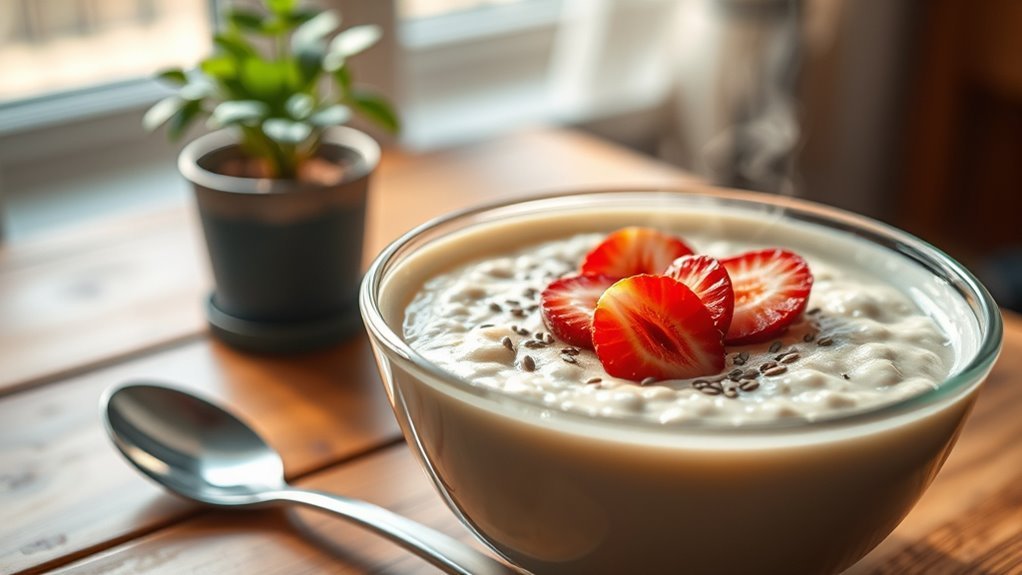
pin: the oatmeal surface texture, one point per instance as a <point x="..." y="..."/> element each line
<point x="861" y="344"/>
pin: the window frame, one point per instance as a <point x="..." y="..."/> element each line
<point x="411" y="64"/>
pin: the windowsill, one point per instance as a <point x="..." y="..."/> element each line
<point x="473" y="74"/>
<point x="464" y="77"/>
<point x="98" y="187"/>
<point x="65" y="107"/>
<point x="486" y="22"/>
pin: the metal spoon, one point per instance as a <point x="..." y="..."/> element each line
<point x="199" y="451"/>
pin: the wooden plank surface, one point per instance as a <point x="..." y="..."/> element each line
<point x="72" y="302"/>
<point x="949" y="531"/>
<point x="969" y="521"/>
<point x="93" y="295"/>
<point x="93" y="307"/>
<point x="294" y="541"/>
<point x="122" y="300"/>
<point x="65" y="491"/>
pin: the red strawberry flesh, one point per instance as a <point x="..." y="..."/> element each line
<point x="771" y="290"/>
<point x="567" y="306"/>
<point x="655" y="326"/>
<point x="710" y="281"/>
<point x="634" y="250"/>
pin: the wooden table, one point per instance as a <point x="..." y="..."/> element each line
<point x="121" y="300"/>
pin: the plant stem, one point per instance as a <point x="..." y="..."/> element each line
<point x="281" y="165"/>
<point x="281" y="46"/>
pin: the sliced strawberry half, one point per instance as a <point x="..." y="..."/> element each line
<point x="634" y="250"/>
<point x="655" y="326"/>
<point x="567" y="306"/>
<point x="771" y="289"/>
<point x="709" y="280"/>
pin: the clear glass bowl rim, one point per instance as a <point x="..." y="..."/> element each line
<point x="919" y="251"/>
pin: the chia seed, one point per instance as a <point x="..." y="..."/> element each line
<point x="528" y="364"/>
<point x="790" y="357"/>
<point x="748" y="385"/>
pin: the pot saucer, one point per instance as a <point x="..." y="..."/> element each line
<point x="281" y="336"/>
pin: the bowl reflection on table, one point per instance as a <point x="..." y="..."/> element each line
<point x="559" y="492"/>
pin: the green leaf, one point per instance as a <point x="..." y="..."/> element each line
<point x="266" y="81"/>
<point x="303" y="15"/>
<point x="220" y="67"/>
<point x="374" y="108"/>
<point x="173" y="76"/>
<point x="333" y="61"/>
<point x="307" y="66"/>
<point x="354" y="40"/>
<point x="308" y="44"/>
<point x="245" y="19"/>
<point x="161" y="111"/>
<point x="299" y="106"/>
<point x="342" y="76"/>
<point x="234" y="45"/>
<point x="296" y="79"/>
<point x="248" y="112"/>
<point x="276" y="26"/>
<point x="196" y="90"/>
<point x="183" y="118"/>
<point x="310" y="38"/>
<point x="286" y="131"/>
<point x="334" y="115"/>
<point x="281" y="7"/>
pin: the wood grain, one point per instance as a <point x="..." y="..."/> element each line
<point x="295" y="541"/>
<point x="65" y="491"/>
<point x="94" y="295"/>
<point x="76" y="308"/>
<point x="985" y="540"/>
<point x="95" y="307"/>
<point x="968" y="522"/>
<point x="71" y="302"/>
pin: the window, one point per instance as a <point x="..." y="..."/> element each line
<point x="76" y="84"/>
<point x="471" y="68"/>
<point x="58" y="45"/>
<point x="417" y="9"/>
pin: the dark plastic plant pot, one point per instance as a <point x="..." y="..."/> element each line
<point x="286" y="255"/>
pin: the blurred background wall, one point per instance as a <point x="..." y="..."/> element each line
<point x="908" y="111"/>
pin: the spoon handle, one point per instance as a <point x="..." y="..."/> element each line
<point x="448" y="554"/>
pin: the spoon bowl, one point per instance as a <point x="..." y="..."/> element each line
<point x="191" y="446"/>
<point x="200" y="451"/>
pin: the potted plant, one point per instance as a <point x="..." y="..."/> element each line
<point x="280" y="185"/>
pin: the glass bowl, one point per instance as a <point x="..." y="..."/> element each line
<point x="559" y="492"/>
